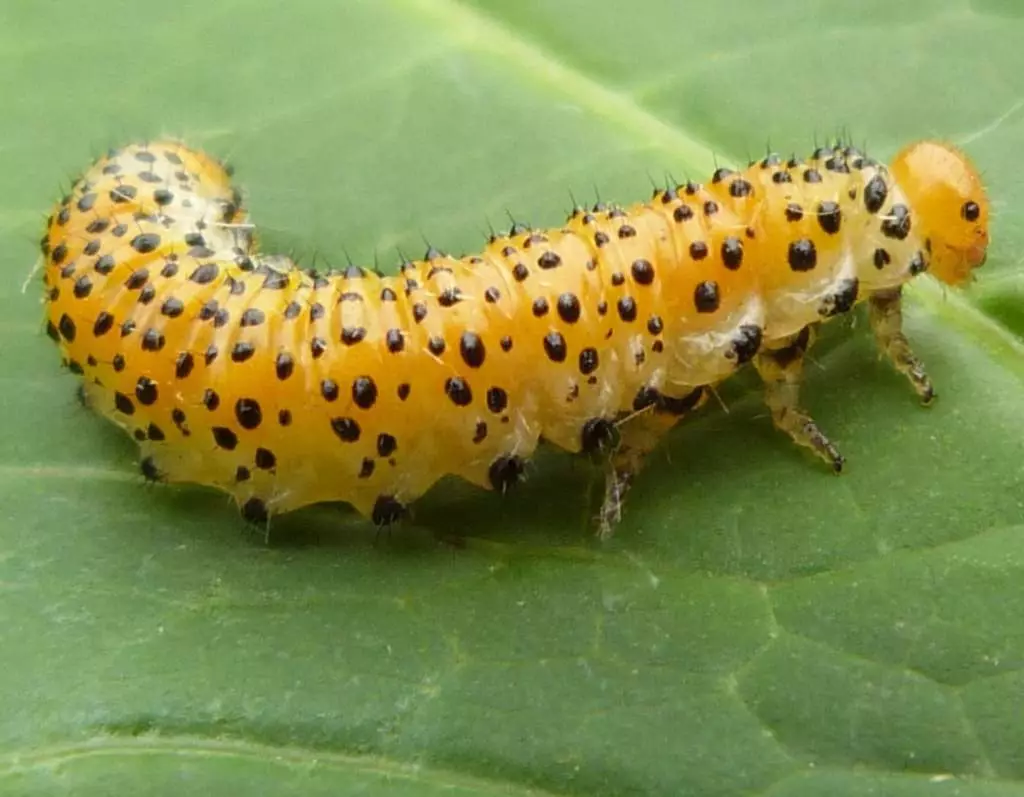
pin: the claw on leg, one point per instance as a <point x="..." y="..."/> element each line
<point x="885" y="311"/>
<point x="781" y="369"/>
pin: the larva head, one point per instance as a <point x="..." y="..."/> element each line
<point x="950" y="206"/>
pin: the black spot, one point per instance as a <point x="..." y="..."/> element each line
<point x="540" y="307"/>
<point x="505" y="343"/>
<point x="627" y="308"/>
<point x="471" y="346"/>
<point x="403" y="391"/>
<point x="787" y="355"/>
<point x="457" y="389"/>
<point x="597" y="435"/>
<point x="554" y="347"/>
<point x="205" y="274"/>
<point x="242" y="474"/>
<point x="875" y="194"/>
<point x="844" y="298"/>
<point x="386" y="445"/>
<point x="183" y="365"/>
<point x="812" y="176"/>
<point x="794" y="212"/>
<point x="830" y="217"/>
<point x="721" y="173"/>
<point x="710" y="208"/>
<point x="123" y="404"/>
<point x="248" y="413"/>
<point x="497" y="400"/>
<point x="682" y="213"/>
<point x="588" y="361"/>
<point x="655" y="325"/>
<point x="387" y="510"/>
<point x="618" y="279"/>
<point x="746" y="343"/>
<point x="284" y="366"/>
<point x="137" y="279"/>
<point x="275" y="281"/>
<point x="92" y="247"/>
<point x="643" y="272"/>
<point x="782" y="177"/>
<point x="970" y="211"/>
<point x="172" y="307"/>
<point x="86" y="202"/>
<point x="698" y="250"/>
<point x="104" y="322"/>
<point x="104" y="264"/>
<point x="549" y="260"/>
<point x="387" y="295"/>
<point x="881" y="258"/>
<point x="740" y="188"/>
<point x="395" y="340"/>
<point x="449" y="297"/>
<point x="210" y="399"/>
<point x="162" y="196"/>
<point x="265" y="459"/>
<point x="150" y="472"/>
<point x="569" y="308"/>
<point x="254" y="511"/>
<point x="329" y="389"/>
<point x="732" y="252"/>
<point x="352" y="335"/>
<point x="292" y="311"/>
<point x="491" y="295"/>
<point x="252" y="317"/>
<point x="118" y="362"/>
<point x="803" y="256"/>
<point x="284" y="417"/>
<point x="364" y="392"/>
<point x="123" y="193"/>
<point x="155" y="433"/>
<point x="83" y="287"/>
<point x="897" y="223"/>
<point x="146" y="242"/>
<point x="506" y="472"/>
<point x="918" y="263"/>
<point x="146" y="390"/>
<point x="480" y="433"/>
<point x="147" y="294"/>
<point x="152" y="340"/>
<point x="627" y="231"/>
<point x="600" y="239"/>
<point x="225" y="438"/>
<point x="242" y="351"/>
<point x="221" y="318"/>
<point x="127" y="328"/>
<point x="520" y="272"/>
<point x="346" y="428"/>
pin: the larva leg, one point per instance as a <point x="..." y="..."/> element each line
<point x="886" y="314"/>
<point x="781" y="368"/>
<point x="639" y="435"/>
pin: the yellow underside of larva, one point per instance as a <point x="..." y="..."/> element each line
<point x="285" y="388"/>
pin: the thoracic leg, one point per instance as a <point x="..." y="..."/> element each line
<point x="885" y="310"/>
<point x="781" y="368"/>
<point x="638" y="436"/>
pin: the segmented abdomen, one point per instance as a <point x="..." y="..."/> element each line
<point x="285" y="387"/>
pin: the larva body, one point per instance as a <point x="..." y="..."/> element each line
<point x="285" y="387"/>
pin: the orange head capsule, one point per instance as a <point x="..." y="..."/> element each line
<point x="951" y="208"/>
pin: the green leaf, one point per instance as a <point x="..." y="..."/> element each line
<point x="756" y="626"/>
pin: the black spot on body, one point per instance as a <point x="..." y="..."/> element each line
<point x="471" y="346"/>
<point x="569" y="308"/>
<point x="458" y="390"/>
<point x="597" y="434"/>
<point x="505" y="472"/>
<point x="225" y="438"/>
<point x="554" y="347"/>
<point x="364" y="392"/>
<point x="830" y="217"/>
<point x="875" y="194"/>
<point x="803" y="256"/>
<point x="746" y="343"/>
<point x="347" y="429"/>
<point x="732" y="252"/>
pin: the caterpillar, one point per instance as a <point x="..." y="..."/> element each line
<point x="285" y="387"/>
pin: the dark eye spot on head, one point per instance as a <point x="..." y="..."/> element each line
<point x="970" y="211"/>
